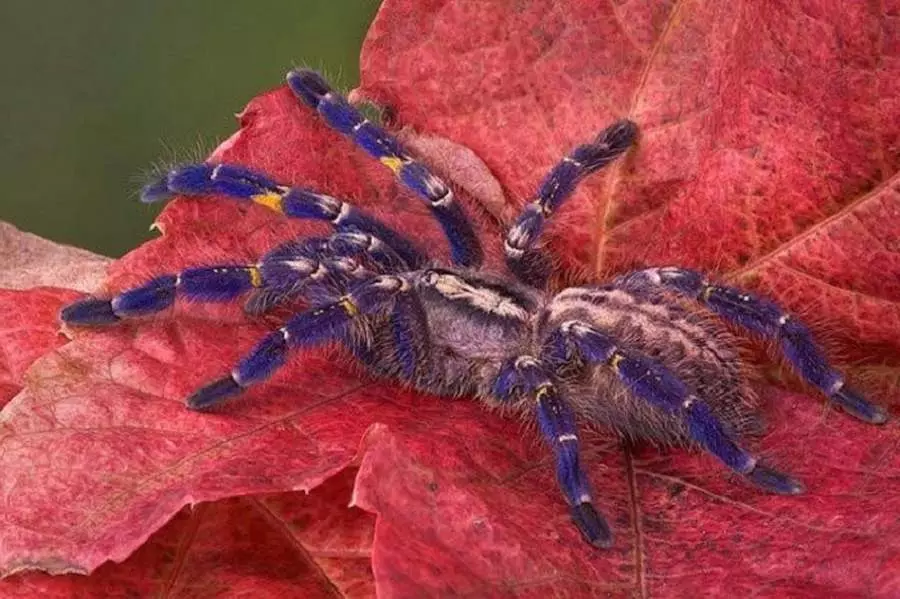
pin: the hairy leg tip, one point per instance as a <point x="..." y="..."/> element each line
<point x="213" y="394"/>
<point x="157" y="191"/>
<point x="774" y="481"/>
<point x="592" y="526"/>
<point x="307" y="85"/>
<point x="89" y="312"/>
<point x="854" y="404"/>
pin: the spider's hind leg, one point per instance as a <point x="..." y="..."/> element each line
<point x="765" y="318"/>
<point x="652" y="382"/>
<point x="557" y="423"/>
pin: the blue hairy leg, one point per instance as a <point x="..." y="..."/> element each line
<point x="309" y="328"/>
<point x="528" y="264"/>
<point x="241" y="183"/>
<point x="406" y="345"/>
<point x="287" y="271"/>
<point x="335" y="264"/>
<point x="215" y="283"/>
<point x="652" y="382"/>
<point x="526" y="376"/>
<point x="332" y="263"/>
<point x="368" y="246"/>
<point x="764" y="318"/>
<point x="409" y="334"/>
<point x="313" y="90"/>
<point x="320" y="268"/>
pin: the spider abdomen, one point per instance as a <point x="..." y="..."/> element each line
<point x="685" y="340"/>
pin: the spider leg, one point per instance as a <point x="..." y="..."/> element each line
<point x="405" y="348"/>
<point x="649" y="380"/>
<point x="314" y="91"/>
<point x="286" y="271"/>
<point x="763" y="317"/>
<point x="557" y="423"/>
<point x="345" y="256"/>
<point x="527" y="263"/>
<point x="408" y="328"/>
<point x="214" y="283"/>
<point x="409" y="331"/>
<point x="355" y="244"/>
<point x="298" y="202"/>
<point x="309" y="328"/>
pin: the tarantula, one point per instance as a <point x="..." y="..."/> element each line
<point x="643" y="354"/>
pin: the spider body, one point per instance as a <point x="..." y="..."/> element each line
<point x="473" y="319"/>
<point x="647" y="355"/>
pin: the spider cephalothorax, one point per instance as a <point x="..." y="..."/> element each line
<point x="647" y="355"/>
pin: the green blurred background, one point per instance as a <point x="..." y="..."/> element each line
<point x="95" y="91"/>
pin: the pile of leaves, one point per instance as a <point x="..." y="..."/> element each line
<point x="769" y="155"/>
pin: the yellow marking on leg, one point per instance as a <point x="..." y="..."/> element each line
<point x="349" y="307"/>
<point x="614" y="361"/>
<point x="393" y="163"/>
<point x="255" y="276"/>
<point x="269" y="200"/>
<point x="542" y="391"/>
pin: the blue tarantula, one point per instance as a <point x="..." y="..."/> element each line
<point x="641" y="355"/>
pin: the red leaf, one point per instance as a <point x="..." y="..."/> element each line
<point x="270" y="546"/>
<point x="768" y="154"/>
<point x="29" y="326"/>
<point x="27" y="261"/>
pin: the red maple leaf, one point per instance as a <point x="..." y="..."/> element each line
<point x="768" y="155"/>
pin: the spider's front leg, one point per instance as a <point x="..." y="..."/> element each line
<point x="764" y="318"/>
<point x="312" y="327"/>
<point x="334" y="109"/>
<point x="292" y="269"/>
<point x="320" y="268"/>
<point x="526" y="375"/>
<point x="652" y="382"/>
<point x="244" y="184"/>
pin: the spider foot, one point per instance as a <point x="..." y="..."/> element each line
<point x="774" y="481"/>
<point x="156" y="191"/>
<point x="155" y="295"/>
<point x="592" y="525"/>
<point x="855" y="405"/>
<point x="212" y="394"/>
<point x="309" y="86"/>
<point x="89" y="312"/>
